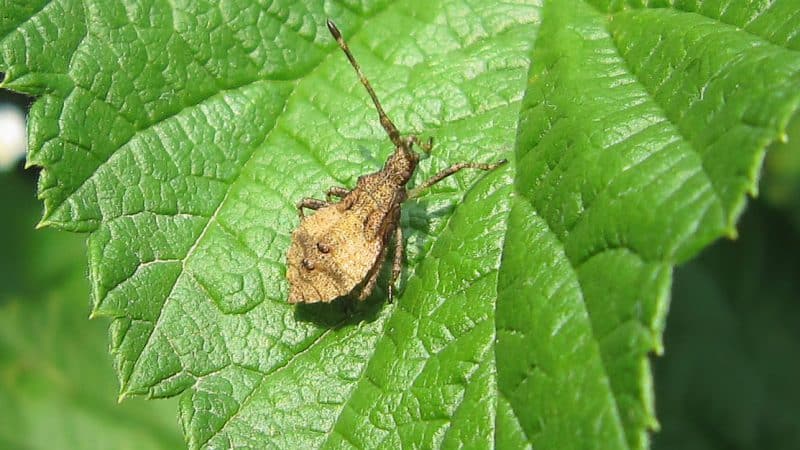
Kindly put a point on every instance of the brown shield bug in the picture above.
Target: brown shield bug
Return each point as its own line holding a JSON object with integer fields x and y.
{"x": 341, "y": 248}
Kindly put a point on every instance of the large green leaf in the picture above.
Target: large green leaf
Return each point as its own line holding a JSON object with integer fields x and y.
{"x": 56, "y": 384}
{"x": 181, "y": 133}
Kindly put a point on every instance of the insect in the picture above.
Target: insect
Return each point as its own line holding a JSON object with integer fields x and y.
{"x": 340, "y": 249}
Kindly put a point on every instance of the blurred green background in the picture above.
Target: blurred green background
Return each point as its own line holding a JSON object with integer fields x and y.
{"x": 728, "y": 379}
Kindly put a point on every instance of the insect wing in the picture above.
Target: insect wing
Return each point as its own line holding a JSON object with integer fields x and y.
{"x": 329, "y": 256}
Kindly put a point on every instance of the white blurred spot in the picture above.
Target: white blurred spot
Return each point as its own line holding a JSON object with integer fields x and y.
{"x": 13, "y": 139}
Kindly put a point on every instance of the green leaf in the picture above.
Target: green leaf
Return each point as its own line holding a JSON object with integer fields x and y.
{"x": 641, "y": 131}
{"x": 56, "y": 386}
{"x": 180, "y": 136}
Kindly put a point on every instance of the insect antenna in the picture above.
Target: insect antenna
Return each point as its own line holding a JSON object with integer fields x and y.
{"x": 387, "y": 124}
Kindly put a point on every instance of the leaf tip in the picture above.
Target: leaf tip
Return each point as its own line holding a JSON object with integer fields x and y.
{"x": 658, "y": 347}
{"x": 47, "y": 214}
{"x": 122, "y": 395}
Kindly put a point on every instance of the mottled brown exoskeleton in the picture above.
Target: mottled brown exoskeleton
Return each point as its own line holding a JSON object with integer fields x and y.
{"x": 341, "y": 248}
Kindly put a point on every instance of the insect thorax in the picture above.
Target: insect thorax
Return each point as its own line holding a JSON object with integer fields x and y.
{"x": 401, "y": 164}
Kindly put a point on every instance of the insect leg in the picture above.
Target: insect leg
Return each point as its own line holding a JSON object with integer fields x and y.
{"x": 336, "y": 191}
{"x": 397, "y": 263}
{"x": 425, "y": 146}
{"x": 310, "y": 203}
{"x": 372, "y": 276}
{"x": 387, "y": 124}
{"x": 450, "y": 171}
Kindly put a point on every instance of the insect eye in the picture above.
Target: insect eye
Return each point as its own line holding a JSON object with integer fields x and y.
{"x": 308, "y": 264}
{"x": 324, "y": 248}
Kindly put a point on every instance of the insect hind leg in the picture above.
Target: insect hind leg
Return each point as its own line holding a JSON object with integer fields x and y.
{"x": 397, "y": 262}
{"x": 372, "y": 276}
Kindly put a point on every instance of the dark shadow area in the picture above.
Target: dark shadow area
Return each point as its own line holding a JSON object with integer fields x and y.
{"x": 416, "y": 225}
{"x": 346, "y": 311}
{"x": 419, "y": 214}
{"x": 342, "y": 312}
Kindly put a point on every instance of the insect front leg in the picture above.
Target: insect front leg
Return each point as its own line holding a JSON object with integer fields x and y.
{"x": 310, "y": 203}
{"x": 336, "y": 191}
{"x": 425, "y": 146}
{"x": 450, "y": 171}
{"x": 397, "y": 263}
